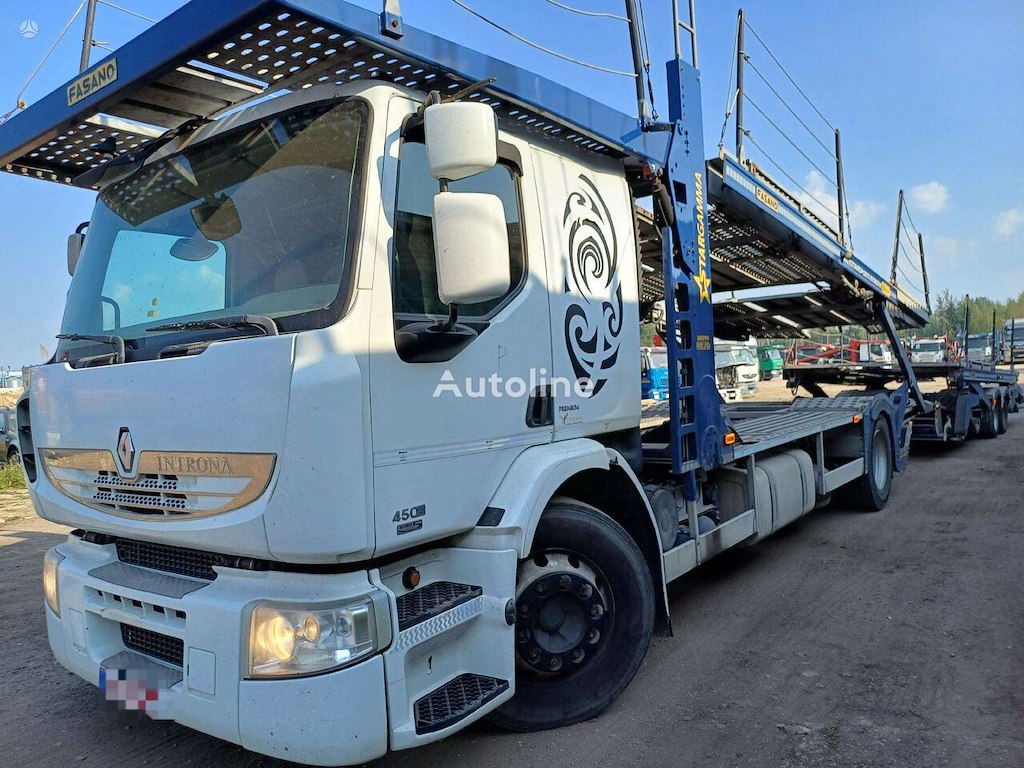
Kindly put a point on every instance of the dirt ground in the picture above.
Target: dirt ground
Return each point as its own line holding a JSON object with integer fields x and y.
{"x": 848, "y": 640}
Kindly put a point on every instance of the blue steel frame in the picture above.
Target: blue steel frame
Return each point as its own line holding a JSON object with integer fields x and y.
{"x": 696, "y": 425}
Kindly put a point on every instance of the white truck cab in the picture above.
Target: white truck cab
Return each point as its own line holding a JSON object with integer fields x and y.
{"x": 378, "y": 431}
{"x": 932, "y": 350}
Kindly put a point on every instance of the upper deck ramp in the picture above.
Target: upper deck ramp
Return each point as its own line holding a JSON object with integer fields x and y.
{"x": 777, "y": 268}
{"x": 211, "y": 56}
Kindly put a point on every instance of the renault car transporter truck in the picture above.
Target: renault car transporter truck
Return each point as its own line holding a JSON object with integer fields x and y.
{"x": 346, "y": 416}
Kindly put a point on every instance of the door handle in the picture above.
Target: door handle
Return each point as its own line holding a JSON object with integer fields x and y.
{"x": 540, "y": 408}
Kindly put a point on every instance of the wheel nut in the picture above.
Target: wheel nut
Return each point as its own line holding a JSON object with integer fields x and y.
{"x": 555, "y": 664}
{"x": 524, "y": 610}
{"x": 542, "y": 588}
{"x": 534, "y": 655}
{"x": 586, "y": 591}
{"x": 596, "y": 611}
{"x": 523, "y": 635}
{"x": 564, "y": 583}
{"x": 577, "y": 655}
{"x": 593, "y": 636}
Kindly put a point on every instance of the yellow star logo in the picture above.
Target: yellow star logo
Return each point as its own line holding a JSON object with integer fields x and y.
{"x": 704, "y": 284}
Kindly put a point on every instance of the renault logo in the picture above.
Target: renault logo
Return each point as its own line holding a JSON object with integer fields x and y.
{"x": 126, "y": 450}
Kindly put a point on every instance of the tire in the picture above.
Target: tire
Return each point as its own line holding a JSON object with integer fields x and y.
{"x": 870, "y": 492}
{"x": 13, "y": 457}
{"x": 576, "y": 546}
{"x": 989, "y": 428}
{"x": 1002, "y": 416}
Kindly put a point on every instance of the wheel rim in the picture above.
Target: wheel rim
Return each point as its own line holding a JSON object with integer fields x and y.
{"x": 879, "y": 459}
{"x": 562, "y": 613}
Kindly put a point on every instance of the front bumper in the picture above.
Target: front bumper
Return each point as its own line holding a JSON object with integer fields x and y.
{"x": 274, "y": 717}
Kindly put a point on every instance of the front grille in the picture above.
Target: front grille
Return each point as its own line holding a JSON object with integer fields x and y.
{"x": 166, "y": 484}
{"x": 150, "y": 643}
{"x": 159, "y": 557}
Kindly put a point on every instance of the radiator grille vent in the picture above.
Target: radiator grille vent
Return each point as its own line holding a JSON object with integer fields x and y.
{"x": 160, "y": 557}
{"x": 153, "y": 644}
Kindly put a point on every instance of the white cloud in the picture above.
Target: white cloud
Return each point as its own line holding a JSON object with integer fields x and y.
{"x": 944, "y": 250}
{"x": 864, "y": 212}
{"x": 1009, "y": 222}
{"x": 929, "y": 198}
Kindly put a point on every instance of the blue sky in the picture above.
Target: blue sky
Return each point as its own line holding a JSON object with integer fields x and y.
{"x": 929, "y": 97}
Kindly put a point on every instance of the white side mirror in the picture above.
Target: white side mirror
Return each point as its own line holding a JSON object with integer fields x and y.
{"x": 461, "y": 138}
{"x": 471, "y": 244}
{"x": 75, "y": 243}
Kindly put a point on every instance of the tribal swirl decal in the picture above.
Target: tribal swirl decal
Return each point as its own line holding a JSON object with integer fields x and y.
{"x": 593, "y": 320}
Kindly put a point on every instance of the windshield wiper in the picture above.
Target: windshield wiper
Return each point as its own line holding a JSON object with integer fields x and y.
{"x": 120, "y": 166}
{"x": 266, "y": 324}
{"x": 117, "y": 342}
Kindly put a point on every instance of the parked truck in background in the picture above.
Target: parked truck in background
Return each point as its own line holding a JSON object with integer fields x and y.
{"x": 653, "y": 373}
{"x": 930, "y": 350}
{"x": 771, "y": 361}
{"x": 1012, "y": 348}
{"x": 980, "y": 348}
{"x": 357, "y": 458}
{"x": 738, "y": 366}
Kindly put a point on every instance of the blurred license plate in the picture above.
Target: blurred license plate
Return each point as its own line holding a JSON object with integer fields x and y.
{"x": 144, "y": 690}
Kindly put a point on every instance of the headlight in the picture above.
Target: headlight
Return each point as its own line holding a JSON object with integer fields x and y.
{"x": 285, "y": 641}
{"x": 50, "y": 588}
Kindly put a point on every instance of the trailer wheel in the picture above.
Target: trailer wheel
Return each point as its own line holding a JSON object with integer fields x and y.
{"x": 989, "y": 422}
{"x": 584, "y": 619}
{"x": 870, "y": 492}
{"x": 1002, "y": 416}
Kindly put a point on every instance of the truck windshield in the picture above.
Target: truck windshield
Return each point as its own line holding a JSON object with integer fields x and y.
{"x": 261, "y": 220}
{"x": 929, "y": 346}
{"x": 978, "y": 343}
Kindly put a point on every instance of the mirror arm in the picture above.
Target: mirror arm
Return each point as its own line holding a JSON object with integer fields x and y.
{"x": 434, "y": 97}
{"x": 453, "y": 318}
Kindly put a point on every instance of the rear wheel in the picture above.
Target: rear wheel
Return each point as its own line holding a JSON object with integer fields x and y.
{"x": 1002, "y": 416}
{"x": 871, "y": 491}
{"x": 584, "y": 619}
{"x": 13, "y": 457}
{"x": 989, "y": 419}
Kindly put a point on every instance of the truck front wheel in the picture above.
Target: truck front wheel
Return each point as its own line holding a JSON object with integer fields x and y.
{"x": 584, "y": 619}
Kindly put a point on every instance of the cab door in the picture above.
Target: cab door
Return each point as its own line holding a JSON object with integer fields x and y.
{"x": 446, "y": 424}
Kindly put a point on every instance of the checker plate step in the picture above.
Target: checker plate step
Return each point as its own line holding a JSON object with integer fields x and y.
{"x": 429, "y": 601}
{"x": 456, "y": 700}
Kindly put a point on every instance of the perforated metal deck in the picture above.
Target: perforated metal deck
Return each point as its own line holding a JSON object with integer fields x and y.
{"x": 776, "y": 268}
{"x": 211, "y": 56}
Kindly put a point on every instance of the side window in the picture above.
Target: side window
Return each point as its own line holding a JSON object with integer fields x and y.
{"x": 144, "y": 281}
{"x": 413, "y": 268}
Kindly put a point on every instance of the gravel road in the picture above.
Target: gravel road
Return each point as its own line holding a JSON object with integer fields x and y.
{"x": 892, "y": 639}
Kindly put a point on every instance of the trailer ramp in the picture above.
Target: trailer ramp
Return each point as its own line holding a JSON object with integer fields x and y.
{"x": 213, "y": 56}
{"x": 776, "y": 268}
